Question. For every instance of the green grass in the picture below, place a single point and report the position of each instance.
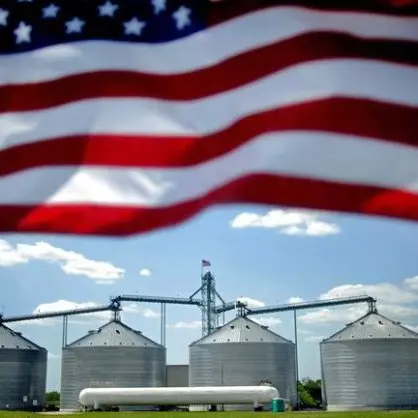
(388, 414)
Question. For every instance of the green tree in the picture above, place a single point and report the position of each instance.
(310, 395)
(52, 398)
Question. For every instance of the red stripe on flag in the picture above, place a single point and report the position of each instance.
(396, 124)
(229, 74)
(115, 220)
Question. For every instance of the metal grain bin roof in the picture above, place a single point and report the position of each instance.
(114, 334)
(10, 339)
(372, 326)
(242, 330)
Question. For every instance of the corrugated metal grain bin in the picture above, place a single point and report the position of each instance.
(177, 375)
(23, 366)
(370, 364)
(113, 356)
(243, 353)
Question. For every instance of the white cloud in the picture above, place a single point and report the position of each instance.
(384, 292)
(250, 302)
(269, 321)
(328, 316)
(94, 317)
(294, 299)
(145, 272)
(314, 338)
(305, 331)
(72, 263)
(52, 356)
(396, 302)
(411, 283)
(147, 313)
(288, 222)
(186, 325)
(9, 256)
(66, 305)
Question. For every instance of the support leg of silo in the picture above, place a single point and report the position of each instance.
(163, 324)
(295, 323)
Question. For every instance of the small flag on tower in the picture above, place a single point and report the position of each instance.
(206, 263)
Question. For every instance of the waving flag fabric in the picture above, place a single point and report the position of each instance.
(124, 116)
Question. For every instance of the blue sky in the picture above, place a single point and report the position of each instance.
(268, 256)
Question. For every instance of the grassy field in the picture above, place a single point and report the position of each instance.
(389, 414)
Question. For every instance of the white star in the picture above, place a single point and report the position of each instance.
(4, 14)
(22, 33)
(134, 27)
(50, 11)
(181, 16)
(108, 9)
(159, 5)
(75, 25)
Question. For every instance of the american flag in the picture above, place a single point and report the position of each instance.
(206, 263)
(124, 116)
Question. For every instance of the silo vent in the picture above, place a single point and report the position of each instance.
(247, 326)
(361, 322)
(117, 331)
(232, 326)
(380, 323)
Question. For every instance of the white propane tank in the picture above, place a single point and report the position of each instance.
(97, 397)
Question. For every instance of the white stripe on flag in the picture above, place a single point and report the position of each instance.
(323, 79)
(332, 157)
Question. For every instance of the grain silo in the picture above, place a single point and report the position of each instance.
(115, 355)
(23, 367)
(370, 364)
(243, 353)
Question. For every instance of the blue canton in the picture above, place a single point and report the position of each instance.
(27, 25)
